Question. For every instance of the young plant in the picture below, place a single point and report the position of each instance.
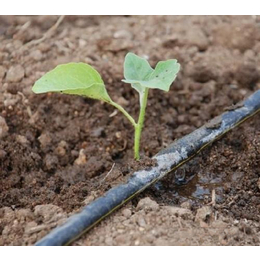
(82, 79)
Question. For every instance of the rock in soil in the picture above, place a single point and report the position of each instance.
(147, 204)
(3, 128)
(203, 214)
(2, 72)
(15, 74)
(82, 159)
(179, 212)
(45, 139)
(47, 211)
(127, 213)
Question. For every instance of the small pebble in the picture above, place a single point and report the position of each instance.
(141, 221)
(2, 154)
(122, 101)
(118, 135)
(179, 212)
(36, 55)
(82, 43)
(31, 230)
(186, 204)
(203, 214)
(34, 118)
(47, 211)
(161, 242)
(51, 162)
(10, 100)
(258, 183)
(15, 74)
(109, 241)
(127, 213)
(137, 243)
(147, 204)
(98, 132)
(44, 139)
(3, 127)
(24, 214)
(61, 148)
(22, 140)
(123, 34)
(2, 72)
(81, 160)
(233, 231)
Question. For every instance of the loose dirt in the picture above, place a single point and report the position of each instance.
(56, 150)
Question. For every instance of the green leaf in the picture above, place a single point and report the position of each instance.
(73, 78)
(139, 73)
(136, 68)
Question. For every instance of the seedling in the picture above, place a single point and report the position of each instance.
(82, 79)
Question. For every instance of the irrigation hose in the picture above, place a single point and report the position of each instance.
(168, 159)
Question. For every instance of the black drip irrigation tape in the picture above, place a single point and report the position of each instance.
(168, 159)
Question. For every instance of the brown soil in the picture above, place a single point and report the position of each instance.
(55, 150)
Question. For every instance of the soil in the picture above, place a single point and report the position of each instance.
(56, 150)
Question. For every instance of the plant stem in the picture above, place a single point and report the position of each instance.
(140, 123)
(121, 109)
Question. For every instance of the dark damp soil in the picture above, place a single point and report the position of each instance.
(56, 150)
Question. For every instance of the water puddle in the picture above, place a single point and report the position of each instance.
(191, 182)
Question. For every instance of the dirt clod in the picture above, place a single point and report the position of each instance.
(179, 212)
(51, 162)
(47, 211)
(82, 159)
(203, 214)
(3, 127)
(141, 221)
(127, 213)
(45, 140)
(2, 72)
(15, 74)
(36, 55)
(258, 183)
(147, 204)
